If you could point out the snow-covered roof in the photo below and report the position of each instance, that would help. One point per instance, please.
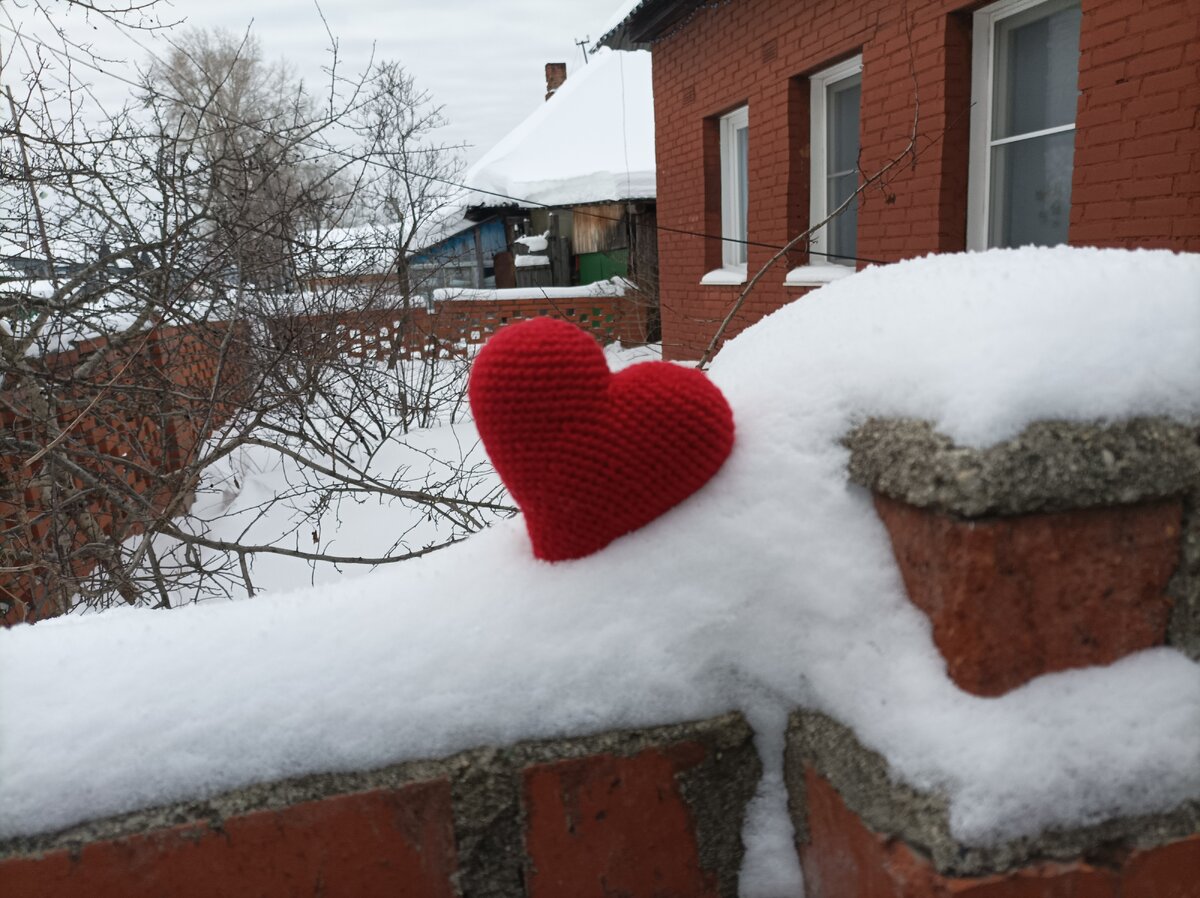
(353, 250)
(63, 249)
(592, 142)
(372, 248)
(774, 586)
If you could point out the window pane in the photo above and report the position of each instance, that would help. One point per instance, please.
(842, 111)
(843, 229)
(735, 134)
(743, 179)
(1037, 71)
(1031, 191)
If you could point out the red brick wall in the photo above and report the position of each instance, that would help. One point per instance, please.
(136, 419)
(1137, 156)
(192, 361)
(646, 814)
(993, 588)
(1137, 171)
(385, 842)
(643, 814)
(126, 436)
(843, 858)
(454, 326)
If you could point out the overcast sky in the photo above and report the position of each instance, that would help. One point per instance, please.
(483, 61)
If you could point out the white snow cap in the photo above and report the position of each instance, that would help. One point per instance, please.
(535, 243)
(592, 142)
(772, 587)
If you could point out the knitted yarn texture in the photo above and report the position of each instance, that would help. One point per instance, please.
(589, 455)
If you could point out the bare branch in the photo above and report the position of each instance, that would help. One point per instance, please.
(176, 313)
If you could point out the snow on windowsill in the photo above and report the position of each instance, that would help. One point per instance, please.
(816, 275)
(727, 276)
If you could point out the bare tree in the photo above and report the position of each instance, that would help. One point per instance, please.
(248, 128)
(173, 299)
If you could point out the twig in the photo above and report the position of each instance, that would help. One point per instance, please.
(909, 152)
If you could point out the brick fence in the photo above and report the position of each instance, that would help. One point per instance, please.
(451, 328)
(130, 424)
(160, 396)
(1070, 545)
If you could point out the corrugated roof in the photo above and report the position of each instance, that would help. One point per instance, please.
(614, 29)
(637, 22)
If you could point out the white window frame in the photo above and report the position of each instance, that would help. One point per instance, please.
(983, 67)
(818, 163)
(733, 253)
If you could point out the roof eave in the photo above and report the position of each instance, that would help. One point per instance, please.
(482, 212)
(646, 22)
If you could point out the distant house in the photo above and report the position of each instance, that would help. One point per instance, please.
(448, 251)
(465, 258)
(567, 198)
(565, 202)
(1036, 122)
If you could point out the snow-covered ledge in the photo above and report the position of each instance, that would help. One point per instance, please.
(226, 696)
(730, 275)
(816, 275)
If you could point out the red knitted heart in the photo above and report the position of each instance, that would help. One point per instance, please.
(589, 455)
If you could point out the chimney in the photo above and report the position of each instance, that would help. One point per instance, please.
(556, 74)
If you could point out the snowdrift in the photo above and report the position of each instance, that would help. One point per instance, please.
(773, 587)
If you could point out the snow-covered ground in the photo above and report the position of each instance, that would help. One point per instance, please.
(257, 496)
(774, 586)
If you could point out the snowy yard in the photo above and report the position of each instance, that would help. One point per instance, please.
(259, 496)
(773, 587)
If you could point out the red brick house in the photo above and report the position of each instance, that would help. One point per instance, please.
(1036, 121)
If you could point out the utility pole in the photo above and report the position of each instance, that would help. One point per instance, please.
(581, 45)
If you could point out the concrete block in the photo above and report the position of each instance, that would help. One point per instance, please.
(849, 813)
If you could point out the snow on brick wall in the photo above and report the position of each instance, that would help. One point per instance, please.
(774, 590)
